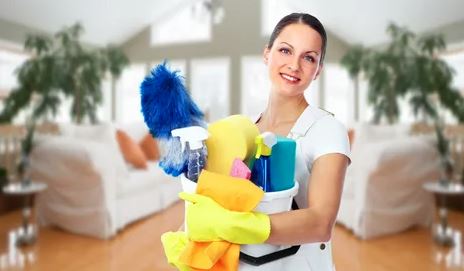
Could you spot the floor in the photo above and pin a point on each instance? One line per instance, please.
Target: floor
(138, 248)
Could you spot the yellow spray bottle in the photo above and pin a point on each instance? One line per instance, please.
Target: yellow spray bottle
(261, 172)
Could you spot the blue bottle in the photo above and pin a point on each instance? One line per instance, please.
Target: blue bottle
(261, 171)
(283, 164)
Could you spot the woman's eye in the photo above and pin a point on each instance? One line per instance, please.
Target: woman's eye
(309, 59)
(285, 51)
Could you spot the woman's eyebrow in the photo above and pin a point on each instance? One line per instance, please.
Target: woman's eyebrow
(287, 44)
(311, 51)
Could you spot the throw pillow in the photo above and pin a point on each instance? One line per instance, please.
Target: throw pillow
(130, 150)
(149, 147)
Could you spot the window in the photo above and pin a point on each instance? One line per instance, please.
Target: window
(128, 100)
(366, 111)
(255, 86)
(9, 62)
(210, 87)
(312, 93)
(456, 61)
(128, 94)
(339, 94)
(104, 110)
(189, 24)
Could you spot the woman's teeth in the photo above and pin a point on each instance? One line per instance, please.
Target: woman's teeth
(290, 78)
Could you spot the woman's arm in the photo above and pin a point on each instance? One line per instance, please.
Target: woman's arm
(315, 223)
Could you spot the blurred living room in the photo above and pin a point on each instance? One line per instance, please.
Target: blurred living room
(81, 185)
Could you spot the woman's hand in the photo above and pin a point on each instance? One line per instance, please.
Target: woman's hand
(209, 221)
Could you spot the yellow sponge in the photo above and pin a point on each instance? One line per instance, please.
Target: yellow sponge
(230, 138)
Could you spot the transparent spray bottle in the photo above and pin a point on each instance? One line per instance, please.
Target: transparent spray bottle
(192, 140)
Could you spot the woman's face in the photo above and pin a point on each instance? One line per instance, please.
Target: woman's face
(293, 60)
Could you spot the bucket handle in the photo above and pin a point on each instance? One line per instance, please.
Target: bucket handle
(274, 256)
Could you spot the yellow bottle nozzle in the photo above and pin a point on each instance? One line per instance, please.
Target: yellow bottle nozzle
(264, 143)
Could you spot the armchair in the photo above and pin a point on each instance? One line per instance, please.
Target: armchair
(91, 190)
(383, 186)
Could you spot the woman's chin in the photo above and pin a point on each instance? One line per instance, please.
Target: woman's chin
(290, 92)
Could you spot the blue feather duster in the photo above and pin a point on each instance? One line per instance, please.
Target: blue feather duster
(166, 105)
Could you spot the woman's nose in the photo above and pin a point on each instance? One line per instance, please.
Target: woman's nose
(294, 65)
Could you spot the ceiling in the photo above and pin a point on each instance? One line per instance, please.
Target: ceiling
(365, 21)
(104, 21)
(115, 21)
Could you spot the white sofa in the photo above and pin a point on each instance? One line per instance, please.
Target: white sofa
(383, 191)
(91, 190)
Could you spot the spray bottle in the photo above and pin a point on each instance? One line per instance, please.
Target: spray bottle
(192, 140)
(261, 173)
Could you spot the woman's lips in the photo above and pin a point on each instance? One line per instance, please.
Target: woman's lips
(289, 78)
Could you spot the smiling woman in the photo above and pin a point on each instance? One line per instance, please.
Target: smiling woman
(294, 58)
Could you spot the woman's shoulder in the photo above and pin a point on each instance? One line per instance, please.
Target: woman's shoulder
(326, 135)
(330, 123)
(325, 122)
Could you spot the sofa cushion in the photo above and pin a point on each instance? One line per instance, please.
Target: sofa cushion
(131, 151)
(140, 180)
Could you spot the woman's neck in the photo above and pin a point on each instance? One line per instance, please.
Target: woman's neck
(283, 111)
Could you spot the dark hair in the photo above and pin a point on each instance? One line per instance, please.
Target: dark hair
(302, 18)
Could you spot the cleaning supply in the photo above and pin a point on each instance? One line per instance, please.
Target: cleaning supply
(235, 194)
(283, 164)
(240, 170)
(212, 256)
(230, 138)
(234, 227)
(167, 105)
(192, 141)
(174, 243)
(261, 173)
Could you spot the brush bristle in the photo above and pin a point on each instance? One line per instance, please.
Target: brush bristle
(166, 104)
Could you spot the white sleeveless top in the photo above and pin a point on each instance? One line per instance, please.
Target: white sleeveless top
(316, 133)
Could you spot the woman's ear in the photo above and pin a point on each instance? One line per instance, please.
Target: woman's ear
(266, 54)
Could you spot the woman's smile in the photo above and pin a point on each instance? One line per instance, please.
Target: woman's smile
(290, 79)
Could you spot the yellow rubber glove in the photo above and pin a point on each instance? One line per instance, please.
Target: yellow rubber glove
(234, 194)
(209, 221)
(174, 243)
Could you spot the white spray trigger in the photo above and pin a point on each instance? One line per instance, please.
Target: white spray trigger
(194, 135)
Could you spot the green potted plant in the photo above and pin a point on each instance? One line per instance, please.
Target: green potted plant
(60, 67)
(408, 67)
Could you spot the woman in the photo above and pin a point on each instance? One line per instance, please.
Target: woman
(294, 57)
